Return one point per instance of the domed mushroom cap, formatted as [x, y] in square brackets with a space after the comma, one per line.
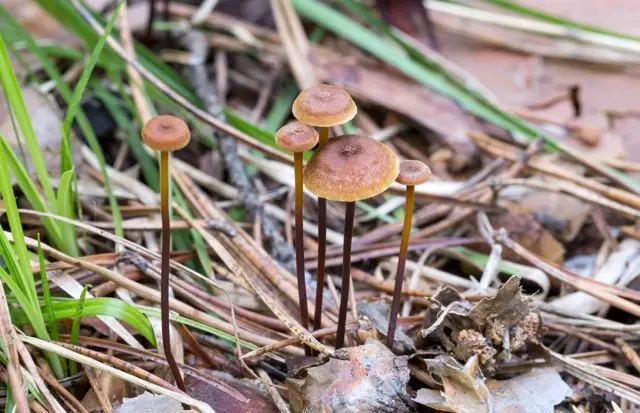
[324, 106]
[350, 168]
[296, 137]
[166, 133]
[413, 173]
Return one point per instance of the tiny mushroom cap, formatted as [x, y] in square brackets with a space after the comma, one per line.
[351, 168]
[413, 173]
[324, 106]
[166, 133]
[296, 137]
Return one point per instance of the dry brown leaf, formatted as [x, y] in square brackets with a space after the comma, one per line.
[370, 379]
[549, 207]
[537, 391]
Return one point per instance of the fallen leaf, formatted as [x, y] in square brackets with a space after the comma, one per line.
[537, 391]
[370, 378]
[464, 388]
[378, 313]
[465, 330]
[523, 227]
[569, 213]
[150, 403]
[257, 399]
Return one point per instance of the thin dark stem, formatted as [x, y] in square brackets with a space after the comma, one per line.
[346, 273]
[299, 244]
[322, 245]
[164, 270]
[152, 17]
[402, 260]
[322, 254]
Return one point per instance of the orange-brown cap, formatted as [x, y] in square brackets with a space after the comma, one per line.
[166, 133]
[296, 137]
[324, 106]
[350, 168]
[413, 173]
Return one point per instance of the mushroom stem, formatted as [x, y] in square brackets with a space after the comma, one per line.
[322, 244]
[164, 267]
[402, 260]
[152, 16]
[299, 241]
[346, 273]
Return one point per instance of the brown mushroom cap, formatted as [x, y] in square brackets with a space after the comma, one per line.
[296, 137]
[350, 168]
[166, 133]
[413, 173]
[324, 106]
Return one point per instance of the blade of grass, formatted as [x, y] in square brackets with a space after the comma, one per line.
[65, 204]
[54, 229]
[74, 104]
[11, 89]
[75, 328]
[46, 297]
[21, 282]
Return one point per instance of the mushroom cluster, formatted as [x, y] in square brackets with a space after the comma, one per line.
[346, 168]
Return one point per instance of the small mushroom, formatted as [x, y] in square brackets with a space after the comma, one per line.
[323, 106]
[297, 137]
[350, 168]
[412, 173]
[166, 134]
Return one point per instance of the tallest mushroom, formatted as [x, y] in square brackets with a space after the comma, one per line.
[165, 134]
[323, 106]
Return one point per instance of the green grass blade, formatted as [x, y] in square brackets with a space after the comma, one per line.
[46, 297]
[12, 90]
[281, 108]
[29, 189]
[75, 328]
[100, 306]
[65, 205]
[154, 312]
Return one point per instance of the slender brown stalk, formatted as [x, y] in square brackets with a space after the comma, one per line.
[322, 245]
[164, 269]
[299, 243]
[152, 16]
[346, 273]
[402, 260]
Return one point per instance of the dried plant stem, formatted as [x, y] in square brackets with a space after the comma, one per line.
[402, 260]
[323, 137]
[233, 265]
[629, 352]
[346, 273]
[14, 377]
[164, 278]
[97, 390]
[299, 243]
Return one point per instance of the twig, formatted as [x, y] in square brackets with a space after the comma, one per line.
[629, 352]
[282, 406]
[14, 378]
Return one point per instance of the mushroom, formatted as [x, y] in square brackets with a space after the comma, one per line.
[350, 168]
[412, 173]
[297, 137]
[323, 106]
[166, 134]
